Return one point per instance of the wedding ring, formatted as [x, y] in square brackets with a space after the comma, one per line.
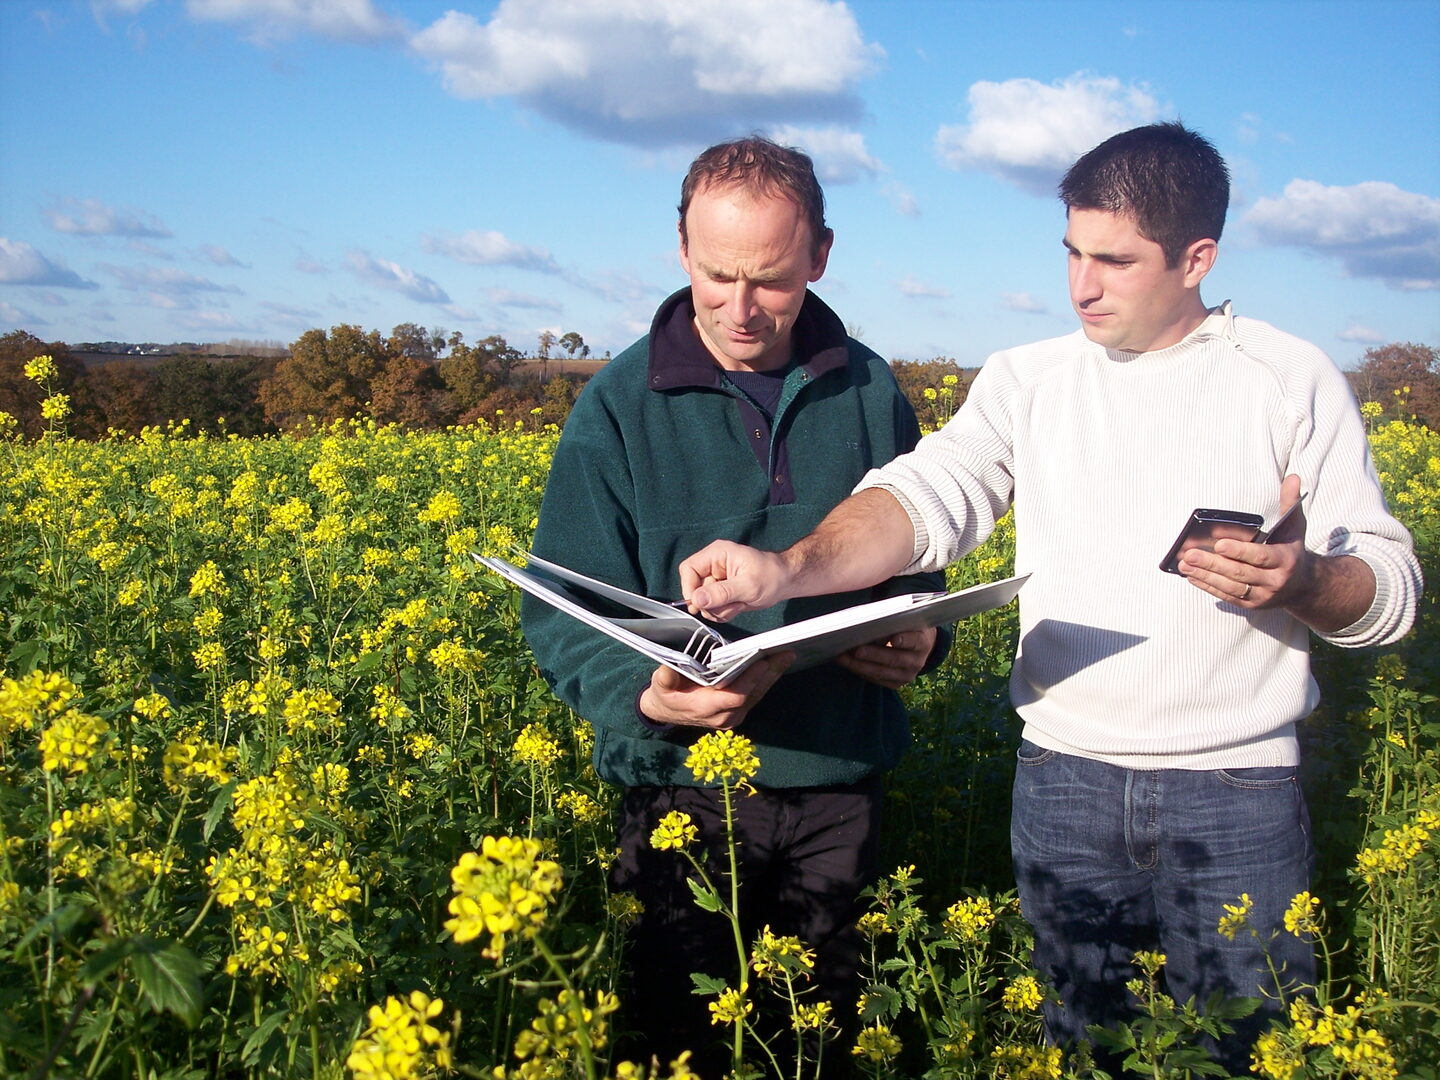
[1246, 594]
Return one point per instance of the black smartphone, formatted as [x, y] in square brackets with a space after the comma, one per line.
[1204, 527]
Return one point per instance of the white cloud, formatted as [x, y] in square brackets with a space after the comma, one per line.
[839, 155]
[507, 299]
[1024, 302]
[21, 264]
[306, 265]
[91, 217]
[901, 198]
[1029, 133]
[218, 255]
[210, 322]
[1374, 228]
[163, 281]
[273, 20]
[656, 74]
[1362, 334]
[490, 248]
[909, 285]
[19, 318]
[393, 276]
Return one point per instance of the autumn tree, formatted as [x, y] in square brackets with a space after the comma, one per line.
[573, 343]
[20, 396]
[325, 377]
[123, 396]
[1404, 378]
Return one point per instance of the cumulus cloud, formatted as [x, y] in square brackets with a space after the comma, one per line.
[651, 74]
[388, 275]
[1361, 334]
[219, 256]
[1028, 133]
[901, 198]
[910, 286]
[91, 217]
[21, 264]
[275, 20]
[166, 287]
[1375, 229]
[15, 317]
[1023, 302]
[507, 299]
[490, 248]
[839, 155]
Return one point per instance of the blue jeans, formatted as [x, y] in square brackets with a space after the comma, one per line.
[1111, 861]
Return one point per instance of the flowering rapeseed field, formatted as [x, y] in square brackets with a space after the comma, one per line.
[281, 794]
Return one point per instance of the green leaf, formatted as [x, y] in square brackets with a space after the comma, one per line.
[707, 984]
[708, 899]
[218, 807]
[100, 963]
[169, 974]
[260, 1036]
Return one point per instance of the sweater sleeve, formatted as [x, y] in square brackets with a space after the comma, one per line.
[1346, 512]
[587, 523]
[958, 481]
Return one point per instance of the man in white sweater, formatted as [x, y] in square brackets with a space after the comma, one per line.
[1157, 769]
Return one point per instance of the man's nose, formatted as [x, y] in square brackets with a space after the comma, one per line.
[741, 303]
[1084, 282]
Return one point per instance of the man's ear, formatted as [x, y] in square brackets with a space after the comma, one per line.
[684, 247]
[822, 256]
[1198, 260]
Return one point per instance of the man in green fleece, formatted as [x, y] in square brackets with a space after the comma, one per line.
[746, 412]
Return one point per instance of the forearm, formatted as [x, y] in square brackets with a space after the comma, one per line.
[865, 540]
[1334, 593]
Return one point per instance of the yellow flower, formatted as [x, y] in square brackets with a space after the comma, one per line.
[536, 746]
[1303, 915]
[969, 919]
[1236, 917]
[580, 806]
[876, 1044]
[504, 889]
[815, 1017]
[676, 832]
[723, 756]
[71, 742]
[1149, 962]
[41, 368]
[730, 1008]
[55, 407]
[773, 955]
[401, 1043]
[1027, 1062]
[1022, 994]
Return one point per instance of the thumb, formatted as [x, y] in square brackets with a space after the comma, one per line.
[1289, 491]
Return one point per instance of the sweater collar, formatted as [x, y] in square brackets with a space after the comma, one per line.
[678, 358]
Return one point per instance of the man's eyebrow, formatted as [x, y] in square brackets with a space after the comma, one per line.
[1103, 256]
[759, 277]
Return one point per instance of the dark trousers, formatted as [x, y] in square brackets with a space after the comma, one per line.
[804, 855]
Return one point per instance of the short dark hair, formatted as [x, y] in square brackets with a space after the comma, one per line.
[1170, 180]
[759, 167]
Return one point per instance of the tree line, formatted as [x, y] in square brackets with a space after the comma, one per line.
[430, 379]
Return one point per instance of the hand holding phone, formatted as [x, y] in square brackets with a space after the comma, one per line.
[1204, 527]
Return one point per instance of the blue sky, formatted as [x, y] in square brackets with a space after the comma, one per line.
[210, 170]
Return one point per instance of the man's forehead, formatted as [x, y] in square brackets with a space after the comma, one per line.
[1104, 230]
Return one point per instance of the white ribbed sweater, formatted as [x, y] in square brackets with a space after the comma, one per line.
[1104, 455]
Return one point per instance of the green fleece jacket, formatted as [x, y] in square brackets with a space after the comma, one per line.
[658, 458]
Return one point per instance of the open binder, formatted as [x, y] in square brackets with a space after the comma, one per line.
[702, 653]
